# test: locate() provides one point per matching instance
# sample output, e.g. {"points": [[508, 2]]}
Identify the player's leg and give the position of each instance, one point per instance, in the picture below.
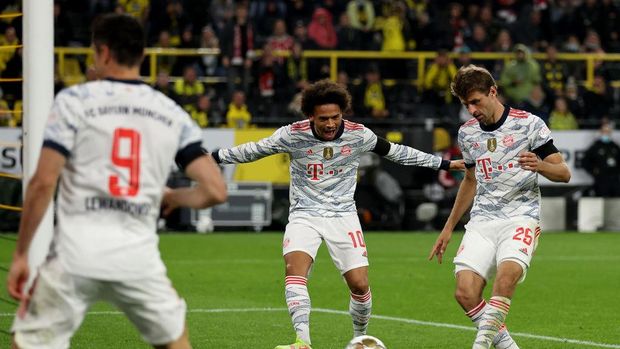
{"points": [[516, 243], [154, 307], [57, 306], [300, 245], [474, 264], [345, 242], [360, 303]]}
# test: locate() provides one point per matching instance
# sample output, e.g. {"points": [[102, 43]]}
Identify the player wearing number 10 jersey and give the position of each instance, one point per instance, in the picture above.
{"points": [[325, 151], [504, 149], [112, 142]]}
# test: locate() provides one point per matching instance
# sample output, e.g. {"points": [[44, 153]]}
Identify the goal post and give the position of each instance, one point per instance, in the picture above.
{"points": [[38, 95]]}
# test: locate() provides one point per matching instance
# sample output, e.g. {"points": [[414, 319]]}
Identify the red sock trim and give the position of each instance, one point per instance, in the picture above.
{"points": [[500, 305], [361, 298], [476, 309], [295, 280]]}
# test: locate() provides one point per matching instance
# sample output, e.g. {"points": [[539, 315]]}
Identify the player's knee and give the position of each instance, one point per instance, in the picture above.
{"points": [[467, 298], [360, 287]]}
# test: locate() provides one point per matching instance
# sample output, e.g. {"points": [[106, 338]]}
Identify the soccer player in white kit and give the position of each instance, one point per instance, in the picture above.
{"points": [[112, 142], [505, 150], [325, 151]]}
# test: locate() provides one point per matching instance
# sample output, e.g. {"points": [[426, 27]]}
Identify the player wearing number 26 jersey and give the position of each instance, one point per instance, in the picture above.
{"points": [[113, 143], [325, 151], [504, 150]]}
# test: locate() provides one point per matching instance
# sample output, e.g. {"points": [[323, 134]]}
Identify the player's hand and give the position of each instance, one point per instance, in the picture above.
{"points": [[168, 204], [16, 281], [440, 246], [529, 161], [458, 165]]}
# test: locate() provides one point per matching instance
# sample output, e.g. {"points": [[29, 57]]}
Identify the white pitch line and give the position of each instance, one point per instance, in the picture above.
{"points": [[380, 317]]}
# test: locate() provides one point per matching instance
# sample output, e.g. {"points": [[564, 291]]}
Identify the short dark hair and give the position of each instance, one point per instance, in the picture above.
{"points": [[471, 78], [123, 35], [325, 92]]}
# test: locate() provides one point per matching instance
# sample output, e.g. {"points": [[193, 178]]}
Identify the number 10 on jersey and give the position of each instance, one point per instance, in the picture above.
{"points": [[125, 155]]}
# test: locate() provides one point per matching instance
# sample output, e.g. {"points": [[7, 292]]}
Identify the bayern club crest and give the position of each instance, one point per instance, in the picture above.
{"points": [[328, 153], [491, 144], [508, 141]]}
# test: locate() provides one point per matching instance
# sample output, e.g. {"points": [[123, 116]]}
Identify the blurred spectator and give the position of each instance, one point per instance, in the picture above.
{"points": [[164, 62], [188, 88], [63, 32], [520, 75], [163, 85], [503, 43], [537, 103], [13, 70], [602, 161], [187, 42], [6, 114], [297, 12], [479, 40], [457, 26], [175, 21], [297, 69], [529, 30], [574, 99], [221, 12], [370, 99], [394, 29], [210, 63], [200, 110], [361, 15], [321, 29], [238, 49], [424, 33], [464, 57], [265, 14], [9, 39], [238, 115], [554, 72], [280, 40], [490, 23], [598, 100], [438, 78], [349, 38], [272, 85], [139, 9], [561, 118]]}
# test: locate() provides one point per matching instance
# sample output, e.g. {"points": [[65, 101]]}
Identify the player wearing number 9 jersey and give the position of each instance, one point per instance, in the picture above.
{"points": [[112, 142], [505, 150]]}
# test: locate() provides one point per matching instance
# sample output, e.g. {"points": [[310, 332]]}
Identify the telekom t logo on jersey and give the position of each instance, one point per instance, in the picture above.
{"points": [[316, 170], [485, 165]]}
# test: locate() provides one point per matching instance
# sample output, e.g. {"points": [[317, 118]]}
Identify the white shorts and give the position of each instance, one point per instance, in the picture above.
{"points": [[342, 235], [486, 245], [60, 301]]}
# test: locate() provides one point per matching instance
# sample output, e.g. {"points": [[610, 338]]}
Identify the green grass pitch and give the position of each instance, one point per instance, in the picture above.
{"points": [[233, 285]]}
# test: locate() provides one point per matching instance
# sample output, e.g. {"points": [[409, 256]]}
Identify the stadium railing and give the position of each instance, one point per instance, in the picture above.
{"points": [[421, 58]]}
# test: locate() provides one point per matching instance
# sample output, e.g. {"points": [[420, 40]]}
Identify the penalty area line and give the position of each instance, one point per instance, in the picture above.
{"points": [[375, 317]]}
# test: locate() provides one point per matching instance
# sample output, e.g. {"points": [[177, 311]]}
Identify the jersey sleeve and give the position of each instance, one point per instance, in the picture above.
{"points": [[469, 162], [369, 140], [63, 122], [279, 142], [539, 133]]}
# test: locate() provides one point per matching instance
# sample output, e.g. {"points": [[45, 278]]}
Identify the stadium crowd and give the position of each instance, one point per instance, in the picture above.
{"points": [[251, 84]]}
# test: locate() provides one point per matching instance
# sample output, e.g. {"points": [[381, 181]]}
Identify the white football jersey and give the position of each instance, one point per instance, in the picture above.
{"points": [[504, 189], [323, 173], [120, 139]]}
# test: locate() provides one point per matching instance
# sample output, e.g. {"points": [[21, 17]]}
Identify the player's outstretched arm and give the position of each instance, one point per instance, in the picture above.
{"points": [[406, 155], [463, 201], [253, 151], [553, 167], [210, 188], [39, 193]]}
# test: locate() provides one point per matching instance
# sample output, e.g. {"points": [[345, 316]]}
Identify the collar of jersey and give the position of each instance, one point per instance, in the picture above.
{"points": [[499, 123], [338, 134], [128, 81]]}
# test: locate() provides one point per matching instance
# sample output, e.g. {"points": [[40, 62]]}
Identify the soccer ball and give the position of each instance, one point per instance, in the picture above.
{"points": [[365, 342]]}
